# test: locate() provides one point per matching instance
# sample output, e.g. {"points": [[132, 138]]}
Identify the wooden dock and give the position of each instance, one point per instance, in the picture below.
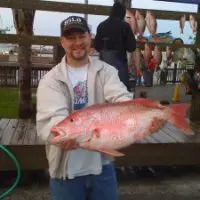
{"points": [[169, 146]]}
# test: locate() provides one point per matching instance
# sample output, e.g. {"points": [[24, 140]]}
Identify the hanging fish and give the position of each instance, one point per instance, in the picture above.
{"points": [[157, 55], [141, 24], [151, 24], [147, 19], [193, 23], [182, 22], [131, 20], [147, 54], [169, 55], [137, 58], [129, 58]]}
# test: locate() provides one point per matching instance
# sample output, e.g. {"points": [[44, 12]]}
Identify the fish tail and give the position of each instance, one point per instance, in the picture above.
{"points": [[177, 116]]}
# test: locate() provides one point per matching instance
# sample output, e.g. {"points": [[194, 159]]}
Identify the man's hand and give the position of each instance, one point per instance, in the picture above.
{"points": [[69, 144]]}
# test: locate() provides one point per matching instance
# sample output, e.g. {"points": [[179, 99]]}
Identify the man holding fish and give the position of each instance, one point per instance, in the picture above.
{"points": [[85, 114], [76, 82]]}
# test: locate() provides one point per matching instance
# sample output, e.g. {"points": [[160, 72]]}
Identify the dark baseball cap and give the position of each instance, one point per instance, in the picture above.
{"points": [[74, 23]]}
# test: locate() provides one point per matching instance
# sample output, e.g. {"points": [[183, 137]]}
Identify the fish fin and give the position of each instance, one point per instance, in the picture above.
{"points": [[149, 103], [111, 152], [178, 117]]}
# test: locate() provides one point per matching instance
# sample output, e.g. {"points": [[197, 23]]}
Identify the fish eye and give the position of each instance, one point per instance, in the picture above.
{"points": [[71, 120]]}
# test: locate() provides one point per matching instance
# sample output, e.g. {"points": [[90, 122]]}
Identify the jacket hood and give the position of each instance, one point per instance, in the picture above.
{"points": [[118, 11]]}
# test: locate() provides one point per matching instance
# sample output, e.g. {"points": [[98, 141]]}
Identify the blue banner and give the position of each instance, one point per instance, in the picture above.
{"points": [[183, 1]]}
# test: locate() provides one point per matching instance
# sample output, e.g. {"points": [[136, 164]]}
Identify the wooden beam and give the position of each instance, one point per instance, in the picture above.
{"points": [[198, 31], [50, 40], [181, 1], [84, 9], [42, 66], [164, 45], [158, 154], [56, 6], [38, 40], [22, 153]]}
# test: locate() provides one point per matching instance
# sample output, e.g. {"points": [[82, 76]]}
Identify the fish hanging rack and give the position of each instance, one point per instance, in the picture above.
{"points": [[85, 8], [82, 9]]}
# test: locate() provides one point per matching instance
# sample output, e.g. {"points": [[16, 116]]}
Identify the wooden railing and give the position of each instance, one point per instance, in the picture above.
{"points": [[9, 74]]}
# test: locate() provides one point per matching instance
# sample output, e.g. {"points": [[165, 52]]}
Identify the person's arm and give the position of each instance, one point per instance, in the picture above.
{"points": [[130, 41], [114, 89], [51, 108]]}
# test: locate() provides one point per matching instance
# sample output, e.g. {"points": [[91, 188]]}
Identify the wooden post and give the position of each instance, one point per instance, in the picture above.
{"points": [[23, 21], [86, 15], [174, 73], [198, 31], [195, 105], [58, 53]]}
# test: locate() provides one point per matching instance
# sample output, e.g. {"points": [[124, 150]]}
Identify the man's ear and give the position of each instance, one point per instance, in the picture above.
{"points": [[62, 41], [90, 36]]}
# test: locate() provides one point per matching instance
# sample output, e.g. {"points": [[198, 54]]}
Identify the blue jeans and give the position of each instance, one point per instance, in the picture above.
{"points": [[90, 187]]}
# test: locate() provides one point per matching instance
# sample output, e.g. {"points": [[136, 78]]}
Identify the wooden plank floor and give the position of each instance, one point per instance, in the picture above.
{"points": [[18, 132], [169, 146]]}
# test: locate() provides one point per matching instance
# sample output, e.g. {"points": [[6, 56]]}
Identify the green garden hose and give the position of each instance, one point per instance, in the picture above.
{"points": [[7, 192]]}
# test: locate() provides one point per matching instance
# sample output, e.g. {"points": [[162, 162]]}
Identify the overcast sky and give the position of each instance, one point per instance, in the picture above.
{"points": [[47, 23]]}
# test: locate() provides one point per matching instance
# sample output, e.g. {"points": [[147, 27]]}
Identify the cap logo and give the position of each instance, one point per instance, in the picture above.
{"points": [[72, 20]]}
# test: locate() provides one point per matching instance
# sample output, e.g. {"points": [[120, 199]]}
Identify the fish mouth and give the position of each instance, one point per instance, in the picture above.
{"points": [[54, 131], [55, 136], [58, 131]]}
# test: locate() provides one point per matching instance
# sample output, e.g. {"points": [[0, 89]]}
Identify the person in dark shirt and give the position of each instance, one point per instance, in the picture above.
{"points": [[113, 39]]}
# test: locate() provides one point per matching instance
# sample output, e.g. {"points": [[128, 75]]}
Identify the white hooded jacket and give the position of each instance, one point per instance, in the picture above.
{"points": [[55, 102]]}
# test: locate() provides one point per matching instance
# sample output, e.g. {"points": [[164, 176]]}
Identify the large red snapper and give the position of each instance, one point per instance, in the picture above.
{"points": [[112, 126]]}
